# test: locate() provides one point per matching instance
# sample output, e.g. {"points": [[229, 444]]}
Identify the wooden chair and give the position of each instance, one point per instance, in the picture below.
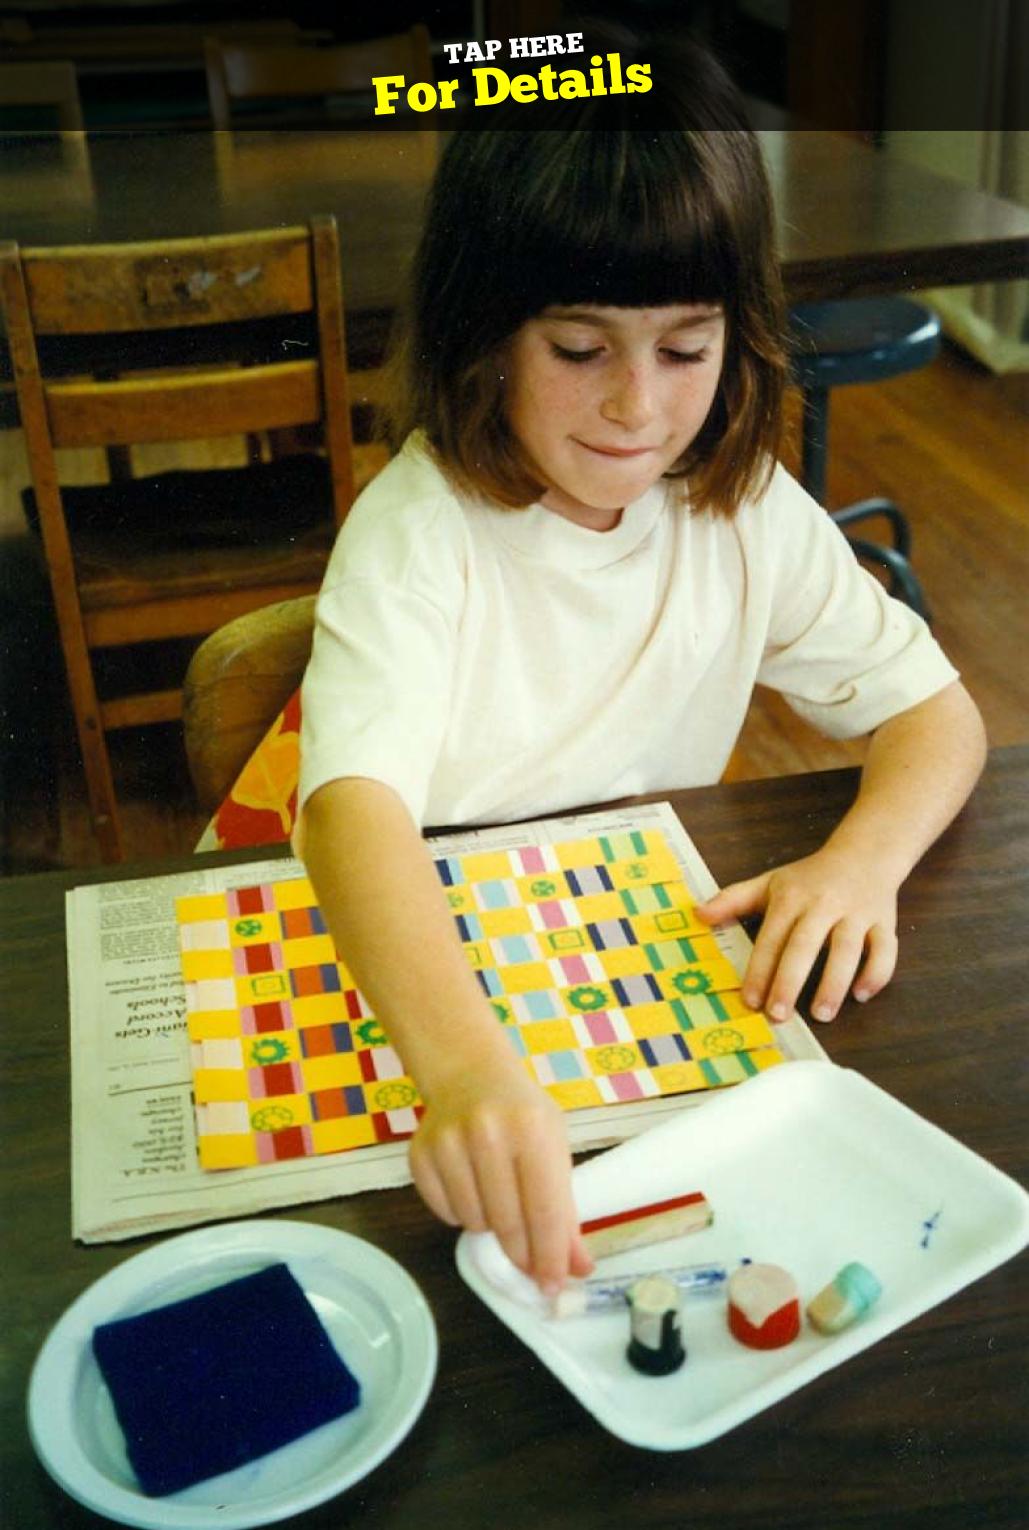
{"points": [[237, 683], [50, 87], [273, 76], [190, 339]]}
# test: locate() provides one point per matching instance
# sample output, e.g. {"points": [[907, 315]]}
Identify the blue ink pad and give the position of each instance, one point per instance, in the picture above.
{"points": [[205, 1385]]}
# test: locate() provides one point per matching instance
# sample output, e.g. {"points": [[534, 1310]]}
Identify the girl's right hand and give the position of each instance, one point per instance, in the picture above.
{"points": [[491, 1152]]}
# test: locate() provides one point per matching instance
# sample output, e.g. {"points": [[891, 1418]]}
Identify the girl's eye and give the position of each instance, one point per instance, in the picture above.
{"points": [[564, 354], [676, 358]]}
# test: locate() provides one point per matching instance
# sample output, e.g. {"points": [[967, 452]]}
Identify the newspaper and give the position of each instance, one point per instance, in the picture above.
{"points": [[134, 1159]]}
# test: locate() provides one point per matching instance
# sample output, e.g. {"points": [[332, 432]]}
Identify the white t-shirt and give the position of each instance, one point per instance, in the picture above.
{"points": [[495, 664]]}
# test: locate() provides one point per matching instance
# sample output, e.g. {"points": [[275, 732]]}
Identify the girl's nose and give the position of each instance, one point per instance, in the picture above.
{"points": [[628, 400]]}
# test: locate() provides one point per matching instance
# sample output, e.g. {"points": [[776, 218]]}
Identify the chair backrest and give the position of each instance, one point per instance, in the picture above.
{"points": [[237, 683], [54, 85], [161, 320], [238, 72]]}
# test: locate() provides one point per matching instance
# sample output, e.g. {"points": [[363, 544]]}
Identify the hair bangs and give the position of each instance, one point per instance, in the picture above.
{"points": [[625, 224]]}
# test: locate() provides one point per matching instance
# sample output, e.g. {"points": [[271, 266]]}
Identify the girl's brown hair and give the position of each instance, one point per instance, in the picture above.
{"points": [[582, 213]]}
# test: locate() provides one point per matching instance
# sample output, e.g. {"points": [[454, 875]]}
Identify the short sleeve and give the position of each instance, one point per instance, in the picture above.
{"points": [[377, 692], [842, 652]]}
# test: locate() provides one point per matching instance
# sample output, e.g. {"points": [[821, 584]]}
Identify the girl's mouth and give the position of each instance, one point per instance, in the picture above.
{"points": [[617, 451]]}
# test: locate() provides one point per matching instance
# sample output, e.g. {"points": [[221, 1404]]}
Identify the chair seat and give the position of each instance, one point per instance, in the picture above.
{"points": [[196, 532], [107, 582], [857, 340]]}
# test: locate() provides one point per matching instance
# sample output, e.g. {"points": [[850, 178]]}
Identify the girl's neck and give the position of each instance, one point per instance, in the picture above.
{"points": [[586, 516]]}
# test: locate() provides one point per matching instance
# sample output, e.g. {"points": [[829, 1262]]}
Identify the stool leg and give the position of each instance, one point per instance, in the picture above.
{"points": [[865, 509], [903, 580], [815, 442]]}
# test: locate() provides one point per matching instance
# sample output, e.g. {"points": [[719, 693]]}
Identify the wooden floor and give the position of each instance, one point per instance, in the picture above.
{"points": [[948, 443]]}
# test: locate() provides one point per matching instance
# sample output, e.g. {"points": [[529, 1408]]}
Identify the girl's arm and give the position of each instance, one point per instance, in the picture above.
{"points": [[491, 1150], [919, 771]]}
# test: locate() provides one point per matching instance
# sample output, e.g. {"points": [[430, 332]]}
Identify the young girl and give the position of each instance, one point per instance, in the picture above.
{"points": [[563, 590]]}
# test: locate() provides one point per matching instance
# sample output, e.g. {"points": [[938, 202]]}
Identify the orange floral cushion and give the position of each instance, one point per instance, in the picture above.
{"points": [[261, 807]]}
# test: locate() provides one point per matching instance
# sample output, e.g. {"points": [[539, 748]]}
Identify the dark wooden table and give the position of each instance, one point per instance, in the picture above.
{"points": [[851, 219], [927, 1428]]}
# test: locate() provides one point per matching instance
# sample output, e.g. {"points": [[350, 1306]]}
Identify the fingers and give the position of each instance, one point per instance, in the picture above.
{"points": [[503, 1202], [880, 965], [513, 1179], [445, 1184], [785, 953], [846, 948], [428, 1183], [581, 1260], [555, 1243], [735, 901], [760, 985]]}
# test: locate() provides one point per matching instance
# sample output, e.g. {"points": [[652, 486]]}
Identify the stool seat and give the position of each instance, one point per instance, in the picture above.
{"points": [[859, 340]]}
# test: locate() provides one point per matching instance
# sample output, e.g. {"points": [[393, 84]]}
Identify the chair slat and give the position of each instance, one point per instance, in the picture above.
{"points": [[91, 289], [190, 616], [44, 83], [201, 406], [253, 72], [269, 72], [142, 709]]}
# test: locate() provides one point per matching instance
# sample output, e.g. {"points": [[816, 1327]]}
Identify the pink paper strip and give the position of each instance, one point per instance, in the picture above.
{"points": [[574, 969], [626, 1086], [601, 1028], [552, 915]]}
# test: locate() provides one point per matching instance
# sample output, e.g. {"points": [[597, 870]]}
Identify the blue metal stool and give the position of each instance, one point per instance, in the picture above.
{"points": [[860, 340]]}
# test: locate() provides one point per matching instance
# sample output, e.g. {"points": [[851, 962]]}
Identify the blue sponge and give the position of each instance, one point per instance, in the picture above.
{"points": [[206, 1384]]}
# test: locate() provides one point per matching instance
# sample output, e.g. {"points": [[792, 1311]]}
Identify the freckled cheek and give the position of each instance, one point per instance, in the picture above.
{"points": [[696, 403], [558, 405]]}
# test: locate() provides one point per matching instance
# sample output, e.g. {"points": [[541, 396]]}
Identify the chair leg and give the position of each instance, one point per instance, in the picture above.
{"points": [[103, 805], [96, 762], [903, 581], [867, 509]]}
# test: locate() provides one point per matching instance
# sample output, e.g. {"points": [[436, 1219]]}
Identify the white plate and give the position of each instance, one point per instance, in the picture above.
{"points": [[808, 1166], [371, 1308]]}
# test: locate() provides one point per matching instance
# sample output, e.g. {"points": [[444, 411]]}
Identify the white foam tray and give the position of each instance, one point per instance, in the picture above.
{"points": [[808, 1166]]}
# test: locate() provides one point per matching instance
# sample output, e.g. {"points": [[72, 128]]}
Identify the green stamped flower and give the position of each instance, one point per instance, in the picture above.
{"points": [[723, 1041], [271, 1118], [587, 997], [615, 1059], [395, 1096], [267, 1051], [692, 981]]}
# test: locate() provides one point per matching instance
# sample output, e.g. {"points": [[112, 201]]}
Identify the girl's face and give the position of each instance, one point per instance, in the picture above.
{"points": [[605, 400]]}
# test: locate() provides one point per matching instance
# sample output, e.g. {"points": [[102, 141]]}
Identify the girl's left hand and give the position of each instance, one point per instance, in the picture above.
{"points": [[829, 897]]}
